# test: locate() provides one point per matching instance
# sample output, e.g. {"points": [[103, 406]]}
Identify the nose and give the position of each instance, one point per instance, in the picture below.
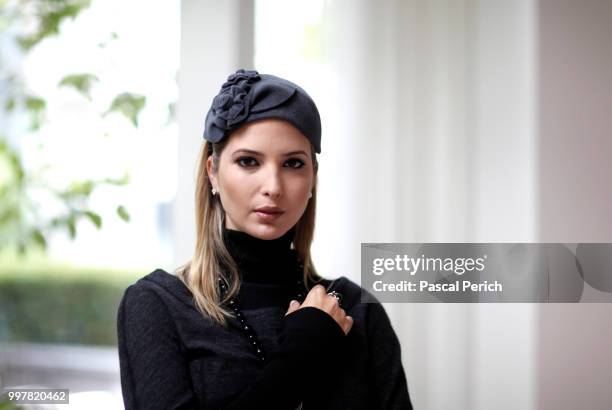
{"points": [[272, 182]]}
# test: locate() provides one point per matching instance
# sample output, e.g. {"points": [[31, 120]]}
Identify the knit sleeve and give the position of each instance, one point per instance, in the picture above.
{"points": [[388, 379], [154, 372]]}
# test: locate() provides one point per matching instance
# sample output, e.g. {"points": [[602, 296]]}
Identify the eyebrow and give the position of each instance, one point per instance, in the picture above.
{"points": [[250, 151]]}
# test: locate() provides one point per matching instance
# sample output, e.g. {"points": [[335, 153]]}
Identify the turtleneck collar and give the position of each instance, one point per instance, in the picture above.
{"points": [[263, 261]]}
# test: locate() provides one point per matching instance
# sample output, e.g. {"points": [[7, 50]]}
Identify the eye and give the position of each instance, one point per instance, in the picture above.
{"points": [[246, 162], [295, 163]]}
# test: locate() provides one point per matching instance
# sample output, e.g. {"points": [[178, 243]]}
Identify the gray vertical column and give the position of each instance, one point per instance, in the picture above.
{"points": [[217, 37], [575, 96]]}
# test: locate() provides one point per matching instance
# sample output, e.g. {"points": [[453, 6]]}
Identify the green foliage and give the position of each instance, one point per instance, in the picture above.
{"points": [[21, 223], [12, 166], [36, 107], [129, 105], [47, 16], [80, 82], [94, 218], [5, 404], [27, 23], [10, 105], [171, 113], [61, 304], [123, 213]]}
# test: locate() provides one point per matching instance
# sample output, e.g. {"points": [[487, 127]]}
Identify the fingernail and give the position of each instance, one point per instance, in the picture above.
{"points": [[293, 302]]}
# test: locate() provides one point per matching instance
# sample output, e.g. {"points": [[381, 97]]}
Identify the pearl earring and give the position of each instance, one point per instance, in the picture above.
{"points": [[214, 191]]}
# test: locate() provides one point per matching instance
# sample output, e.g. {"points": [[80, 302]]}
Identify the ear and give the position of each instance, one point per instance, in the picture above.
{"points": [[212, 177]]}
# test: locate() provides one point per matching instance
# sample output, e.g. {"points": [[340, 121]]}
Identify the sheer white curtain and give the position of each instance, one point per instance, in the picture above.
{"points": [[438, 106]]}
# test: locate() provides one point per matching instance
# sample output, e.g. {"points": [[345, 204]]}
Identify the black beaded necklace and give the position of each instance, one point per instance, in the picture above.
{"points": [[233, 304]]}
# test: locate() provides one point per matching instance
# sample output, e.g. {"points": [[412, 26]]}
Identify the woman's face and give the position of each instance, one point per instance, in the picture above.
{"points": [[264, 177]]}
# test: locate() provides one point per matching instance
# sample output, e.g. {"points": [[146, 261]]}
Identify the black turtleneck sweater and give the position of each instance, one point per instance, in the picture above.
{"points": [[270, 266], [173, 357]]}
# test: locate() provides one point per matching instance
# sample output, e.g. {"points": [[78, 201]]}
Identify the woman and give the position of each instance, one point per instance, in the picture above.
{"points": [[248, 322]]}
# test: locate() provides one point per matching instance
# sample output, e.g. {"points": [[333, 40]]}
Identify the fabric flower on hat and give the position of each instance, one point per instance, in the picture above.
{"points": [[231, 105], [242, 77], [248, 96]]}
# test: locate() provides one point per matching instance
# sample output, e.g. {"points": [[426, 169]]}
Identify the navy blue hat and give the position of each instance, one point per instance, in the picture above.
{"points": [[248, 96]]}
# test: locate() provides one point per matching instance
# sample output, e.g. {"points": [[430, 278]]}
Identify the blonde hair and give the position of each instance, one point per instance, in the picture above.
{"points": [[212, 260]]}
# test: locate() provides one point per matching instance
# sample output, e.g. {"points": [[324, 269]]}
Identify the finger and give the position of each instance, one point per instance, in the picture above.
{"points": [[348, 324], [316, 292], [293, 306], [337, 302]]}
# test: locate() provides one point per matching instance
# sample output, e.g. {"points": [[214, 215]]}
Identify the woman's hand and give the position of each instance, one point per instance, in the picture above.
{"points": [[318, 297]]}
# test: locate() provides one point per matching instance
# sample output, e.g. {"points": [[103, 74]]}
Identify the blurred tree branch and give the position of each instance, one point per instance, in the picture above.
{"points": [[26, 23]]}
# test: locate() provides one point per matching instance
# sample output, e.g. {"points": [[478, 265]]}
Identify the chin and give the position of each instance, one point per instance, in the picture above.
{"points": [[267, 231]]}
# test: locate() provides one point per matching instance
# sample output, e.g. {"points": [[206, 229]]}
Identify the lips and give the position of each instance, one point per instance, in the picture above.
{"points": [[269, 210], [268, 213]]}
